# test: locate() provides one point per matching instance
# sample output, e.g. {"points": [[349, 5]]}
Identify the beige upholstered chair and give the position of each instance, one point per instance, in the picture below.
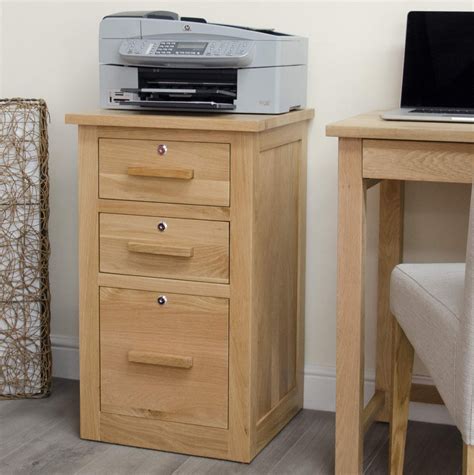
{"points": [[433, 309]]}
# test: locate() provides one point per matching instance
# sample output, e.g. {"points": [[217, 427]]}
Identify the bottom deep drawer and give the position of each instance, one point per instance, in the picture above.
{"points": [[164, 356]]}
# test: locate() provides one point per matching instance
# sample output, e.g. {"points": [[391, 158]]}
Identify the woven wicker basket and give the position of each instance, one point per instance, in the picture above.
{"points": [[25, 348]]}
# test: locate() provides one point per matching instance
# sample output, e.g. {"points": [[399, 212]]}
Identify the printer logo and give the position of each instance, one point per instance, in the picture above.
{"points": [[187, 27]]}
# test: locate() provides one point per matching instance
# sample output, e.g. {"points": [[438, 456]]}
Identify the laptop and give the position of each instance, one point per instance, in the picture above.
{"points": [[438, 72]]}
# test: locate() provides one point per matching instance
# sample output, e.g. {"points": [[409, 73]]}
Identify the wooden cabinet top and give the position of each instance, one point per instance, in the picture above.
{"points": [[371, 126], [222, 122]]}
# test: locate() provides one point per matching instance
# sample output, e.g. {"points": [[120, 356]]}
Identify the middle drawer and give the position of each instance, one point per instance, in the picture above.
{"points": [[185, 249]]}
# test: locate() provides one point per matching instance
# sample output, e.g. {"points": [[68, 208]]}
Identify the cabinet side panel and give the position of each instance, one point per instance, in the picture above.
{"points": [[300, 328], [88, 288], [275, 272], [241, 431]]}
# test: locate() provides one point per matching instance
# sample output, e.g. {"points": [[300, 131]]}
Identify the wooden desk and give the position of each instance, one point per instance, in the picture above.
{"points": [[372, 150]]}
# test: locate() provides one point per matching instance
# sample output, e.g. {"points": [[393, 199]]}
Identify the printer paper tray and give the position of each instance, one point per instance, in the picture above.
{"points": [[170, 105]]}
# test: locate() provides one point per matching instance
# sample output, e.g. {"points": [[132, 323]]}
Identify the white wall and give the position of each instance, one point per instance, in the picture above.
{"points": [[355, 59]]}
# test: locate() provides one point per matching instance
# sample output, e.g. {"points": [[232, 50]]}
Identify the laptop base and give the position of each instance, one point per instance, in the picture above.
{"points": [[406, 114]]}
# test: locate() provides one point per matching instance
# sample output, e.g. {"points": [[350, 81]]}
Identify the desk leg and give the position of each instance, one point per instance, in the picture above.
{"points": [[350, 309], [390, 254]]}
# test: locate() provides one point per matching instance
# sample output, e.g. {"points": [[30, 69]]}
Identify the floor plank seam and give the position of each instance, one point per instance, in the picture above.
{"points": [[47, 436], [28, 442], [373, 459], [179, 466], [93, 460]]}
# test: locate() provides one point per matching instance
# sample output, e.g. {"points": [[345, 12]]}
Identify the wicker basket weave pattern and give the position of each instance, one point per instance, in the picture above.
{"points": [[25, 348]]}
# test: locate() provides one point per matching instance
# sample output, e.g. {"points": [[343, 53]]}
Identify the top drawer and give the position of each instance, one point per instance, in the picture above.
{"points": [[167, 171]]}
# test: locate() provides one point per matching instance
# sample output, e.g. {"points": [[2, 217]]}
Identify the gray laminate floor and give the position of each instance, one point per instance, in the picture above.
{"points": [[41, 437]]}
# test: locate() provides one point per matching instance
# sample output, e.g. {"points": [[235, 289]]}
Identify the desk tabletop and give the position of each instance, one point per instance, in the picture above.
{"points": [[371, 126], [193, 121]]}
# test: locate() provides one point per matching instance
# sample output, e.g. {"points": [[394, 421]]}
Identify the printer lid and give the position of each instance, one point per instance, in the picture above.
{"points": [[172, 16]]}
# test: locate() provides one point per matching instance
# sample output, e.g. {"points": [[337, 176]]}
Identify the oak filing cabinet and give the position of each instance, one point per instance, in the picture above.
{"points": [[192, 264]]}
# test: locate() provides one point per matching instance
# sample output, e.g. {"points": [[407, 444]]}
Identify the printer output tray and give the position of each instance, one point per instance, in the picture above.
{"points": [[180, 89], [181, 105]]}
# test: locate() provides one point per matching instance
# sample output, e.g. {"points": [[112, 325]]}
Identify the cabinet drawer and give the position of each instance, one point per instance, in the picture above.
{"points": [[185, 249], [167, 171], [165, 361]]}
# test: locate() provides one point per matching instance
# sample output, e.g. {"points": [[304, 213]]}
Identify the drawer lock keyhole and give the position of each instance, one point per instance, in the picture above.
{"points": [[162, 300], [162, 149], [162, 226]]}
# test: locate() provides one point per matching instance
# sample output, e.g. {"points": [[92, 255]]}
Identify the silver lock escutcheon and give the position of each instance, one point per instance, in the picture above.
{"points": [[162, 226], [162, 300], [162, 149]]}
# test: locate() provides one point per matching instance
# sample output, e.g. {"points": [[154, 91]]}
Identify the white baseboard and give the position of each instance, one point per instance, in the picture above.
{"points": [[320, 394], [65, 356], [319, 383]]}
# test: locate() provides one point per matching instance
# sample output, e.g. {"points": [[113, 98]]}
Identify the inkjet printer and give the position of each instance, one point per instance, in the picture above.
{"points": [[158, 61]]}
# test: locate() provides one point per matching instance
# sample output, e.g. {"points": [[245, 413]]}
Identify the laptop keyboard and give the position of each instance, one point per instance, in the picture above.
{"points": [[442, 110]]}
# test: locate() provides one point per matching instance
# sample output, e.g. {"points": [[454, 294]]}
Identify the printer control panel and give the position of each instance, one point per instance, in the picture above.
{"points": [[214, 50]]}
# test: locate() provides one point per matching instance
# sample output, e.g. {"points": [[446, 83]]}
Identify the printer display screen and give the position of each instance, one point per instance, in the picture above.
{"points": [[199, 47]]}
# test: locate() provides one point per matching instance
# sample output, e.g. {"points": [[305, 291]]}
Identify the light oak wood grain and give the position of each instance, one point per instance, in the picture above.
{"points": [[388, 151], [275, 301], [211, 122], [159, 359], [468, 460], [425, 393], [392, 197], [274, 138], [210, 213], [280, 180], [241, 373], [279, 397], [143, 409], [274, 420], [371, 126], [160, 250], [160, 135], [350, 308], [192, 327], [403, 356], [155, 172], [189, 172], [418, 161], [164, 285], [371, 182], [88, 288], [373, 409], [209, 240], [174, 437], [301, 287]]}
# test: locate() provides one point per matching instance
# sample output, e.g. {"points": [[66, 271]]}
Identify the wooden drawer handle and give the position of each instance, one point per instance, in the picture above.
{"points": [[177, 173], [158, 359], [158, 250]]}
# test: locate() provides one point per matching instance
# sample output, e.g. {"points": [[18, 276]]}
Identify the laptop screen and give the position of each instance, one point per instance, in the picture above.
{"points": [[439, 60]]}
